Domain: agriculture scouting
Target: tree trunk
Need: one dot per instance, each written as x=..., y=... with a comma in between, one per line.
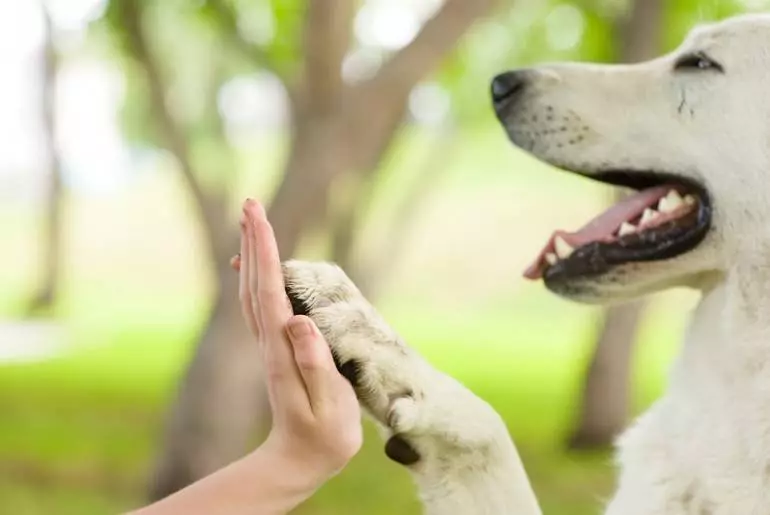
x=215, y=416
x=605, y=409
x=302, y=197
x=351, y=194
x=606, y=391
x=51, y=233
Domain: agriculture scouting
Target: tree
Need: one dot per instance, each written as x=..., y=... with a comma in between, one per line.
x=338, y=129
x=45, y=293
x=604, y=409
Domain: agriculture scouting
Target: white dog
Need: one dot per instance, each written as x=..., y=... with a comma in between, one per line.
x=690, y=132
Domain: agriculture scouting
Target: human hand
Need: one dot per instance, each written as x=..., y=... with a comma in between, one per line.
x=316, y=416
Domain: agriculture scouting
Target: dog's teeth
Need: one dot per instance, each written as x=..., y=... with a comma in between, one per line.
x=626, y=228
x=648, y=216
x=670, y=202
x=551, y=258
x=675, y=197
x=689, y=200
x=563, y=249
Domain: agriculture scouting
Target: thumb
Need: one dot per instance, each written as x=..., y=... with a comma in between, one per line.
x=314, y=360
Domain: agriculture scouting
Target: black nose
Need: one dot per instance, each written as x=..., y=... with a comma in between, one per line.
x=508, y=86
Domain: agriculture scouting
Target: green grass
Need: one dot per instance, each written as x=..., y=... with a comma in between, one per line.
x=78, y=433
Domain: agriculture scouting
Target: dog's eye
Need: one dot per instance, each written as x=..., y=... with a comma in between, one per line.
x=697, y=61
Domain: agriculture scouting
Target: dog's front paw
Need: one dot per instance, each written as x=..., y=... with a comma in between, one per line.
x=383, y=370
x=424, y=412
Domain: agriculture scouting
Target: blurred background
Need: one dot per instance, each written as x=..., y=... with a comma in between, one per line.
x=130, y=131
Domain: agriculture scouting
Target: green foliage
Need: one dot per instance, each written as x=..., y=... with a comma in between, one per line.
x=287, y=17
x=683, y=15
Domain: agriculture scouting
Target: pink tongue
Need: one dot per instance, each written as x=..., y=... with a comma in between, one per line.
x=603, y=227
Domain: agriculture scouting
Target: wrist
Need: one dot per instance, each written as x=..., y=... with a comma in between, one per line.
x=296, y=472
x=270, y=482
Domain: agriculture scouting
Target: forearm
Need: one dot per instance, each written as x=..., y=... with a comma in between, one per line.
x=262, y=483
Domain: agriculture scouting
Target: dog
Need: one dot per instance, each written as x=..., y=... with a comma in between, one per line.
x=690, y=133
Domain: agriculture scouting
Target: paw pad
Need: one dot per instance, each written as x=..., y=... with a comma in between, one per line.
x=350, y=370
x=400, y=451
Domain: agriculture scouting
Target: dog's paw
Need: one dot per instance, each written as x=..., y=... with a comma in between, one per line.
x=383, y=370
x=424, y=412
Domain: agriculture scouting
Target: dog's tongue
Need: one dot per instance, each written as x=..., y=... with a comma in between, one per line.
x=601, y=228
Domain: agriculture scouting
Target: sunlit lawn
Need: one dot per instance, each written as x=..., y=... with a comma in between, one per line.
x=78, y=433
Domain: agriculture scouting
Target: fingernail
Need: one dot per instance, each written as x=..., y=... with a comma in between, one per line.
x=300, y=327
x=260, y=209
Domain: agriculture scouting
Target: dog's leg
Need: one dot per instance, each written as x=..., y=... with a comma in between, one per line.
x=456, y=446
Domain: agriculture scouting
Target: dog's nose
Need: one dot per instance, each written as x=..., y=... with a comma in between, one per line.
x=508, y=86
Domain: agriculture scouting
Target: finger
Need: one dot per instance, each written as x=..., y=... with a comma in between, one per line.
x=235, y=262
x=250, y=252
x=285, y=382
x=314, y=361
x=274, y=304
x=244, y=293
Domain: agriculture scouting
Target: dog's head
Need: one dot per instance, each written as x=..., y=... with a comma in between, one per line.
x=690, y=131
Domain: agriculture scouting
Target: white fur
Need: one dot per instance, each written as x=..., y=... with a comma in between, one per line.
x=702, y=449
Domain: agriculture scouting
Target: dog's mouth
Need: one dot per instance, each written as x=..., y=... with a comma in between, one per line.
x=666, y=217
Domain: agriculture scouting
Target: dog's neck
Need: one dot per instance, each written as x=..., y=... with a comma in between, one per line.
x=708, y=438
x=728, y=341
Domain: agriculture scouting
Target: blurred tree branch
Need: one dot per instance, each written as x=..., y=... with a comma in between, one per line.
x=227, y=20
x=45, y=295
x=640, y=32
x=437, y=36
x=210, y=203
x=326, y=40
